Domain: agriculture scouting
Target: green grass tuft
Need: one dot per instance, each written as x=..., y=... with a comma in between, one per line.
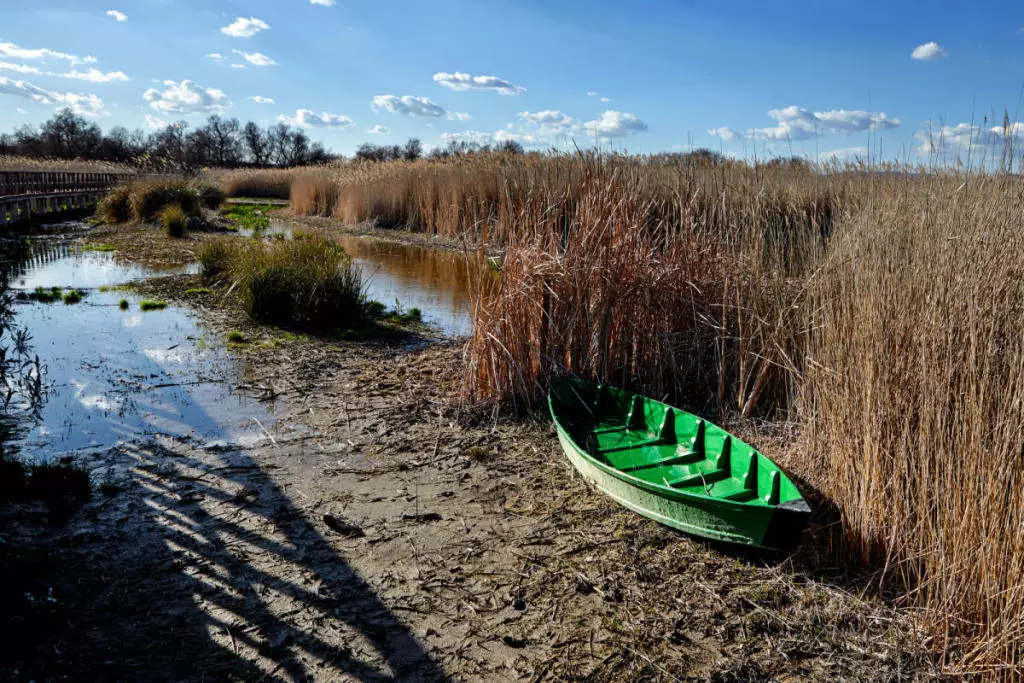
x=98, y=247
x=73, y=296
x=123, y=304
x=236, y=337
x=174, y=220
x=151, y=305
x=46, y=295
x=198, y=290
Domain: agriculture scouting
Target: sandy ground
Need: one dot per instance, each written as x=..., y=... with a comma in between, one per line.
x=386, y=531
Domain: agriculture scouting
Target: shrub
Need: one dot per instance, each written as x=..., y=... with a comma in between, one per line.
x=309, y=284
x=174, y=220
x=210, y=196
x=145, y=200
x=73, y=297
x=215, y=258
x=123, y=304
x=116, y=206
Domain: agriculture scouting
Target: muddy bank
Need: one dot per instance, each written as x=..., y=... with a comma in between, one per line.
x=381, y=529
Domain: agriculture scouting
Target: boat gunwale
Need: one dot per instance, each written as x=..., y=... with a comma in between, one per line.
x=668, y=491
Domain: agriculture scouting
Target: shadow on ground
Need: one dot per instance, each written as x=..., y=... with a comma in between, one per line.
x=193, y=565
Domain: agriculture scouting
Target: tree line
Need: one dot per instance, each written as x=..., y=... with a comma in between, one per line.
x=223, y=142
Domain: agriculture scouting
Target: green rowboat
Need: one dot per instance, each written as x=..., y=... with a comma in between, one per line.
x=674, y=467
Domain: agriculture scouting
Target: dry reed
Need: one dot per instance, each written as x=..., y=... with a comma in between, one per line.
x=880, y=311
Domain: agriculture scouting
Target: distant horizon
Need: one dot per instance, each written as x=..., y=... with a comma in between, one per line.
x=747, y=80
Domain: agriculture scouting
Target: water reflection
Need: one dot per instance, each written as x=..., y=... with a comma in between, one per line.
x=115, y=376
x=434, y=281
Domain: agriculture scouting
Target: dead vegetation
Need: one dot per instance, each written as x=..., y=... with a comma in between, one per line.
x=877, y=310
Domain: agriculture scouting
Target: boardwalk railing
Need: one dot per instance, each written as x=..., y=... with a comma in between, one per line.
x=25, y=195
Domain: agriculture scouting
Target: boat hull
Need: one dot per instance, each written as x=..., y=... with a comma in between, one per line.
x=776, y=527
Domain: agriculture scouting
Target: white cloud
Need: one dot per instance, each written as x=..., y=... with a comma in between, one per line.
x=215, y=56
x=325, y=3
x=724, y=132
x=928, y=52
x=19, y=68
x=845, y=154
x=15, y=52
x=463, y=81
x=380, y=130
x=796, y=123
x=408, y=105
x=238, y=66
x=458, y=116
x=119, y=16
x=479, y=137
x=591, y=93
x=310, y=119
x=86, y=104
x=965, y=137
x=245, y=28
x=187, y=98
x=20, y=110
x=550, y=120
x=606, y=99
x=613, y=124
x=94, y=75
x=255, y=58
x=155, y=122
x=258, y=99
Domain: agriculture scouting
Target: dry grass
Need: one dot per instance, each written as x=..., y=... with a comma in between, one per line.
x=880, y=312
x=14, y=163
x=265, y=183
x=915, y=395
x=144, y=200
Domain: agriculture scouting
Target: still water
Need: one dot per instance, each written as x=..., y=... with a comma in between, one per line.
x=434, y=281
x=115, y=376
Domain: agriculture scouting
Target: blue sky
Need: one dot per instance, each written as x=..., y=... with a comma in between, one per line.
x=807, y=78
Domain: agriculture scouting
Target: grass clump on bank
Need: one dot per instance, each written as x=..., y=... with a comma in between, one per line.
x=123, y=304
x=236, y=337
x=145, y=200
x=152, y=305
x=308, y=283
x=174, y=220
x=73, y=296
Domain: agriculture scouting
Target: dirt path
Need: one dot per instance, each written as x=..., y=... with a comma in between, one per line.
x=380, y=532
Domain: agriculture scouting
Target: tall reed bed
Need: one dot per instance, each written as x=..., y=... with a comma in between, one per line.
x=263, y=183
x=913, y=402
x=881, y=312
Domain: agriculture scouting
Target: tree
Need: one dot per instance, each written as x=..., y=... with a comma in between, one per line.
x=257, y=144
x=225, y=145
x=413, y=150
x=511, y=147
x=168, y=145
x=70, y=136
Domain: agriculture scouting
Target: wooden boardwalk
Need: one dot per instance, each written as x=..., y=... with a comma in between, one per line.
x=34, y=195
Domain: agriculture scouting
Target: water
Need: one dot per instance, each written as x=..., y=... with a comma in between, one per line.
x=434, y=281
x=116, y=376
